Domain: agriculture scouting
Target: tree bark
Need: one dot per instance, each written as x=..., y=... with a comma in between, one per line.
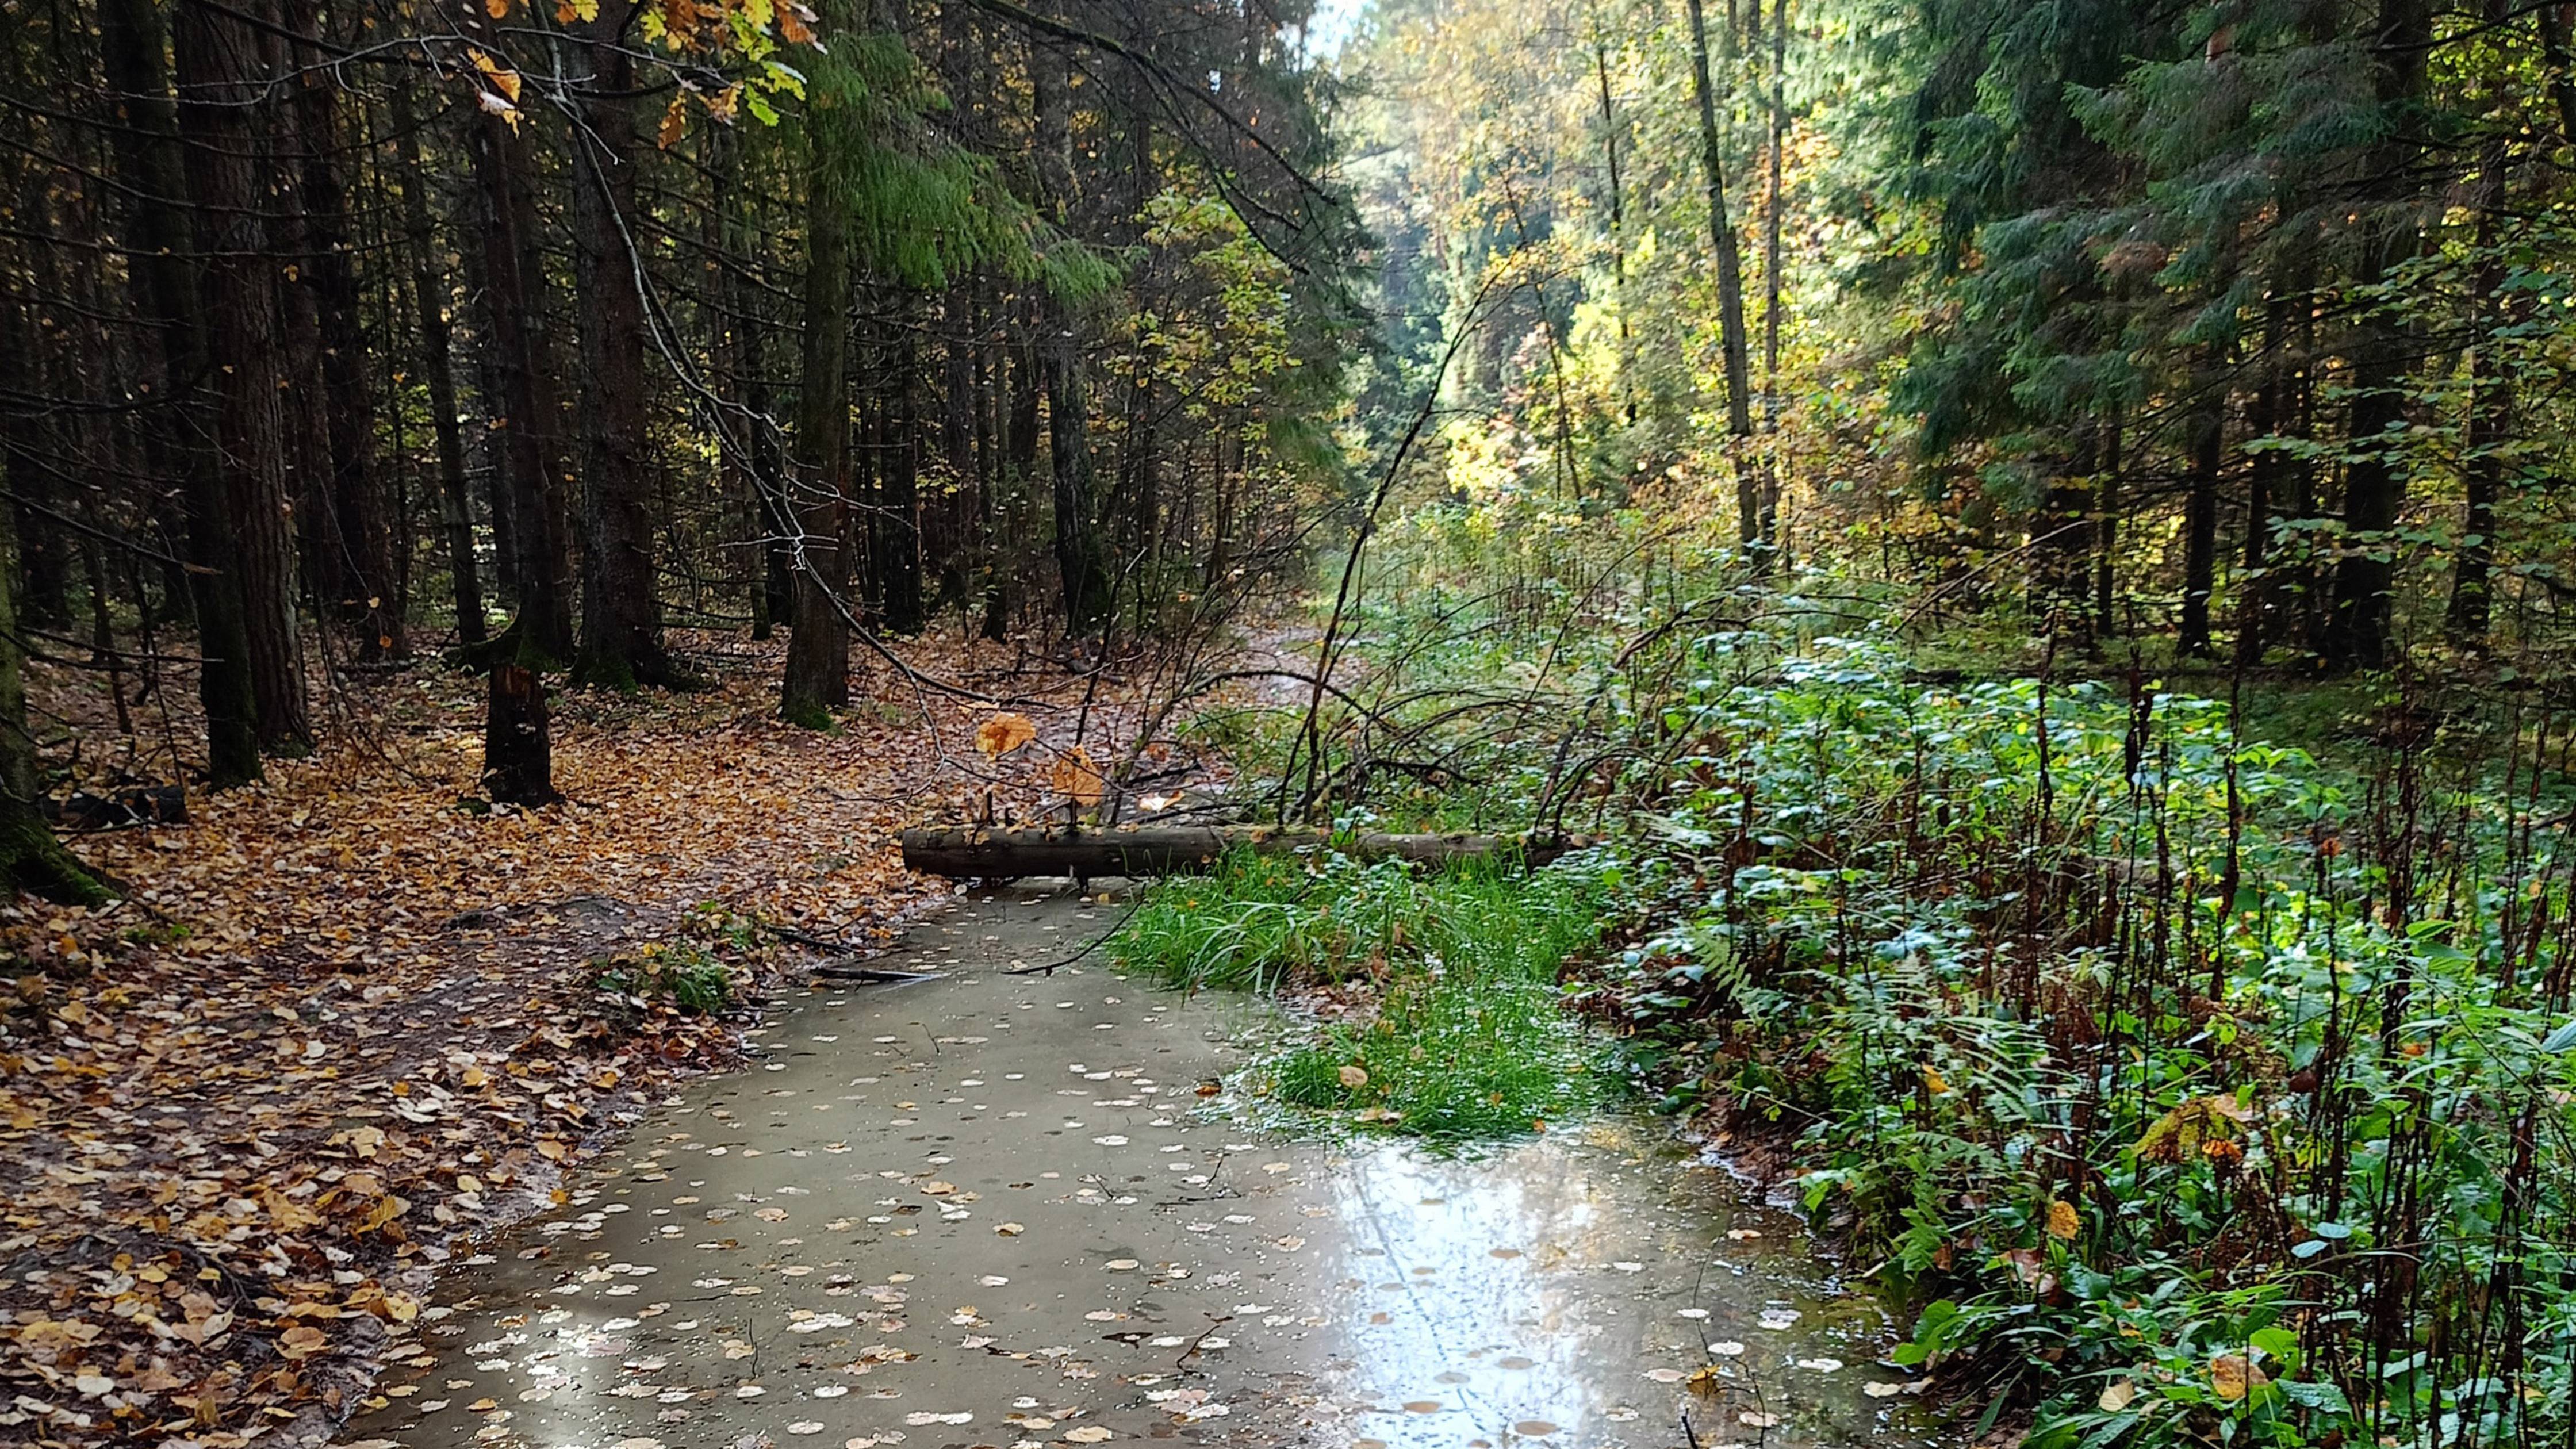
x=817, y=680
x=225, y=68
x=2357, y=631
x=621, y=604
x=438, y=367
x=30, y=857
x=154, y=165
x=518, y=745
x=1079, y=570
x=1730, y=302
x=528, y=419
x=360, y=521
x=1176, y=849
x=2491, y=403
x=2200, y=518
x=899, y=472
x=2256, y=594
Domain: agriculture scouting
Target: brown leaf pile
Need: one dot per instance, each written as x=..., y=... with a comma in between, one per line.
x=342, y=1023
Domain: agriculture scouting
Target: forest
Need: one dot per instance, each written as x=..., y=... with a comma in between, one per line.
x=1870, y=695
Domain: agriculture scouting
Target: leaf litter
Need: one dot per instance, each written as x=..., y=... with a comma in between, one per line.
x=342, y=1022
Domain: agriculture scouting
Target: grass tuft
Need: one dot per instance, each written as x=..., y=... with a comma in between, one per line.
x=1468, y=1042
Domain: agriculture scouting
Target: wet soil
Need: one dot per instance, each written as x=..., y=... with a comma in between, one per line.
x=990, y=1210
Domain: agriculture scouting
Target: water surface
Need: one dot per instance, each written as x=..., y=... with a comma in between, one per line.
x=993, y=1210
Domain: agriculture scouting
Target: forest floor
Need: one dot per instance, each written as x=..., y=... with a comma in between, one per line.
x=340, y=1017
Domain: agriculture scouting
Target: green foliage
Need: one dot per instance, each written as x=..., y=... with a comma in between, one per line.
x=679, y=974
x=921, y=208
x=2154, y=1046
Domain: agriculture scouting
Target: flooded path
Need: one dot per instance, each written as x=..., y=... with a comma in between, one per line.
x=993, y=1210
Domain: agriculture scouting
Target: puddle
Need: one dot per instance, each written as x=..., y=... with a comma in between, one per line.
x=990, y=1210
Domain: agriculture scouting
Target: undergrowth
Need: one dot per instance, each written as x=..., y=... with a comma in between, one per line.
x=2197, y=1091
x=1466, y=1039
x=2188, y=1087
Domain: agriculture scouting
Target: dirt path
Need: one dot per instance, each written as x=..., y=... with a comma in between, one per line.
x=993, y=1210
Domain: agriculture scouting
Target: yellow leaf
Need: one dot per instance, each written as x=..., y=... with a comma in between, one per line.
x=1004, y=733
x=2062, y=1221
x=387, y=1208
x=2117, y=1394
x=1934, y=1082
x=1076, y=776
x=504, y=80
x=1705, y=1382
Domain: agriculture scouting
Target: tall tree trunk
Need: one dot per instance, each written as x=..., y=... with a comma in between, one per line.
x=356, y=487
x=2256, y=595
x=818, y=654
x=1730, y=302
x=2106, y=529
x=1618, y=232
x=1019, y=426
x=2491, y=401
x=181, y=441
x=899, y=468
x=527, y=418
x=30, y=857
x=42, y=359
x=1771, y=278
x=2200, y=515
x=2063, y=539
x=621, y=603
x=1078, y=560
x=438, y=368
x=226, y=67
x=2357, y=632
x=957, y=412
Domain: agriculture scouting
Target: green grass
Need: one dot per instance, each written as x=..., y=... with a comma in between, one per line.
x=1469, y=1040
x=1452, y=1060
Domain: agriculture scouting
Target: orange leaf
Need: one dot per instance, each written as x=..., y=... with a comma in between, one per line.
x=504, y=80
x=675, y=122
x=2231, y=1375
x=497, y=9
x=1004, y=733
x=1077, y=776
x=792, y=25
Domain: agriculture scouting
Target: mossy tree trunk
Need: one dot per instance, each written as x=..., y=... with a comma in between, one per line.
x=30, y=857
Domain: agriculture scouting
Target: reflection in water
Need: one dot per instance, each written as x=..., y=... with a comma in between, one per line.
x=989, y=1211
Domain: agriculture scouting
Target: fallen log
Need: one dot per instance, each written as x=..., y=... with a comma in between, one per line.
x=999, y=854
